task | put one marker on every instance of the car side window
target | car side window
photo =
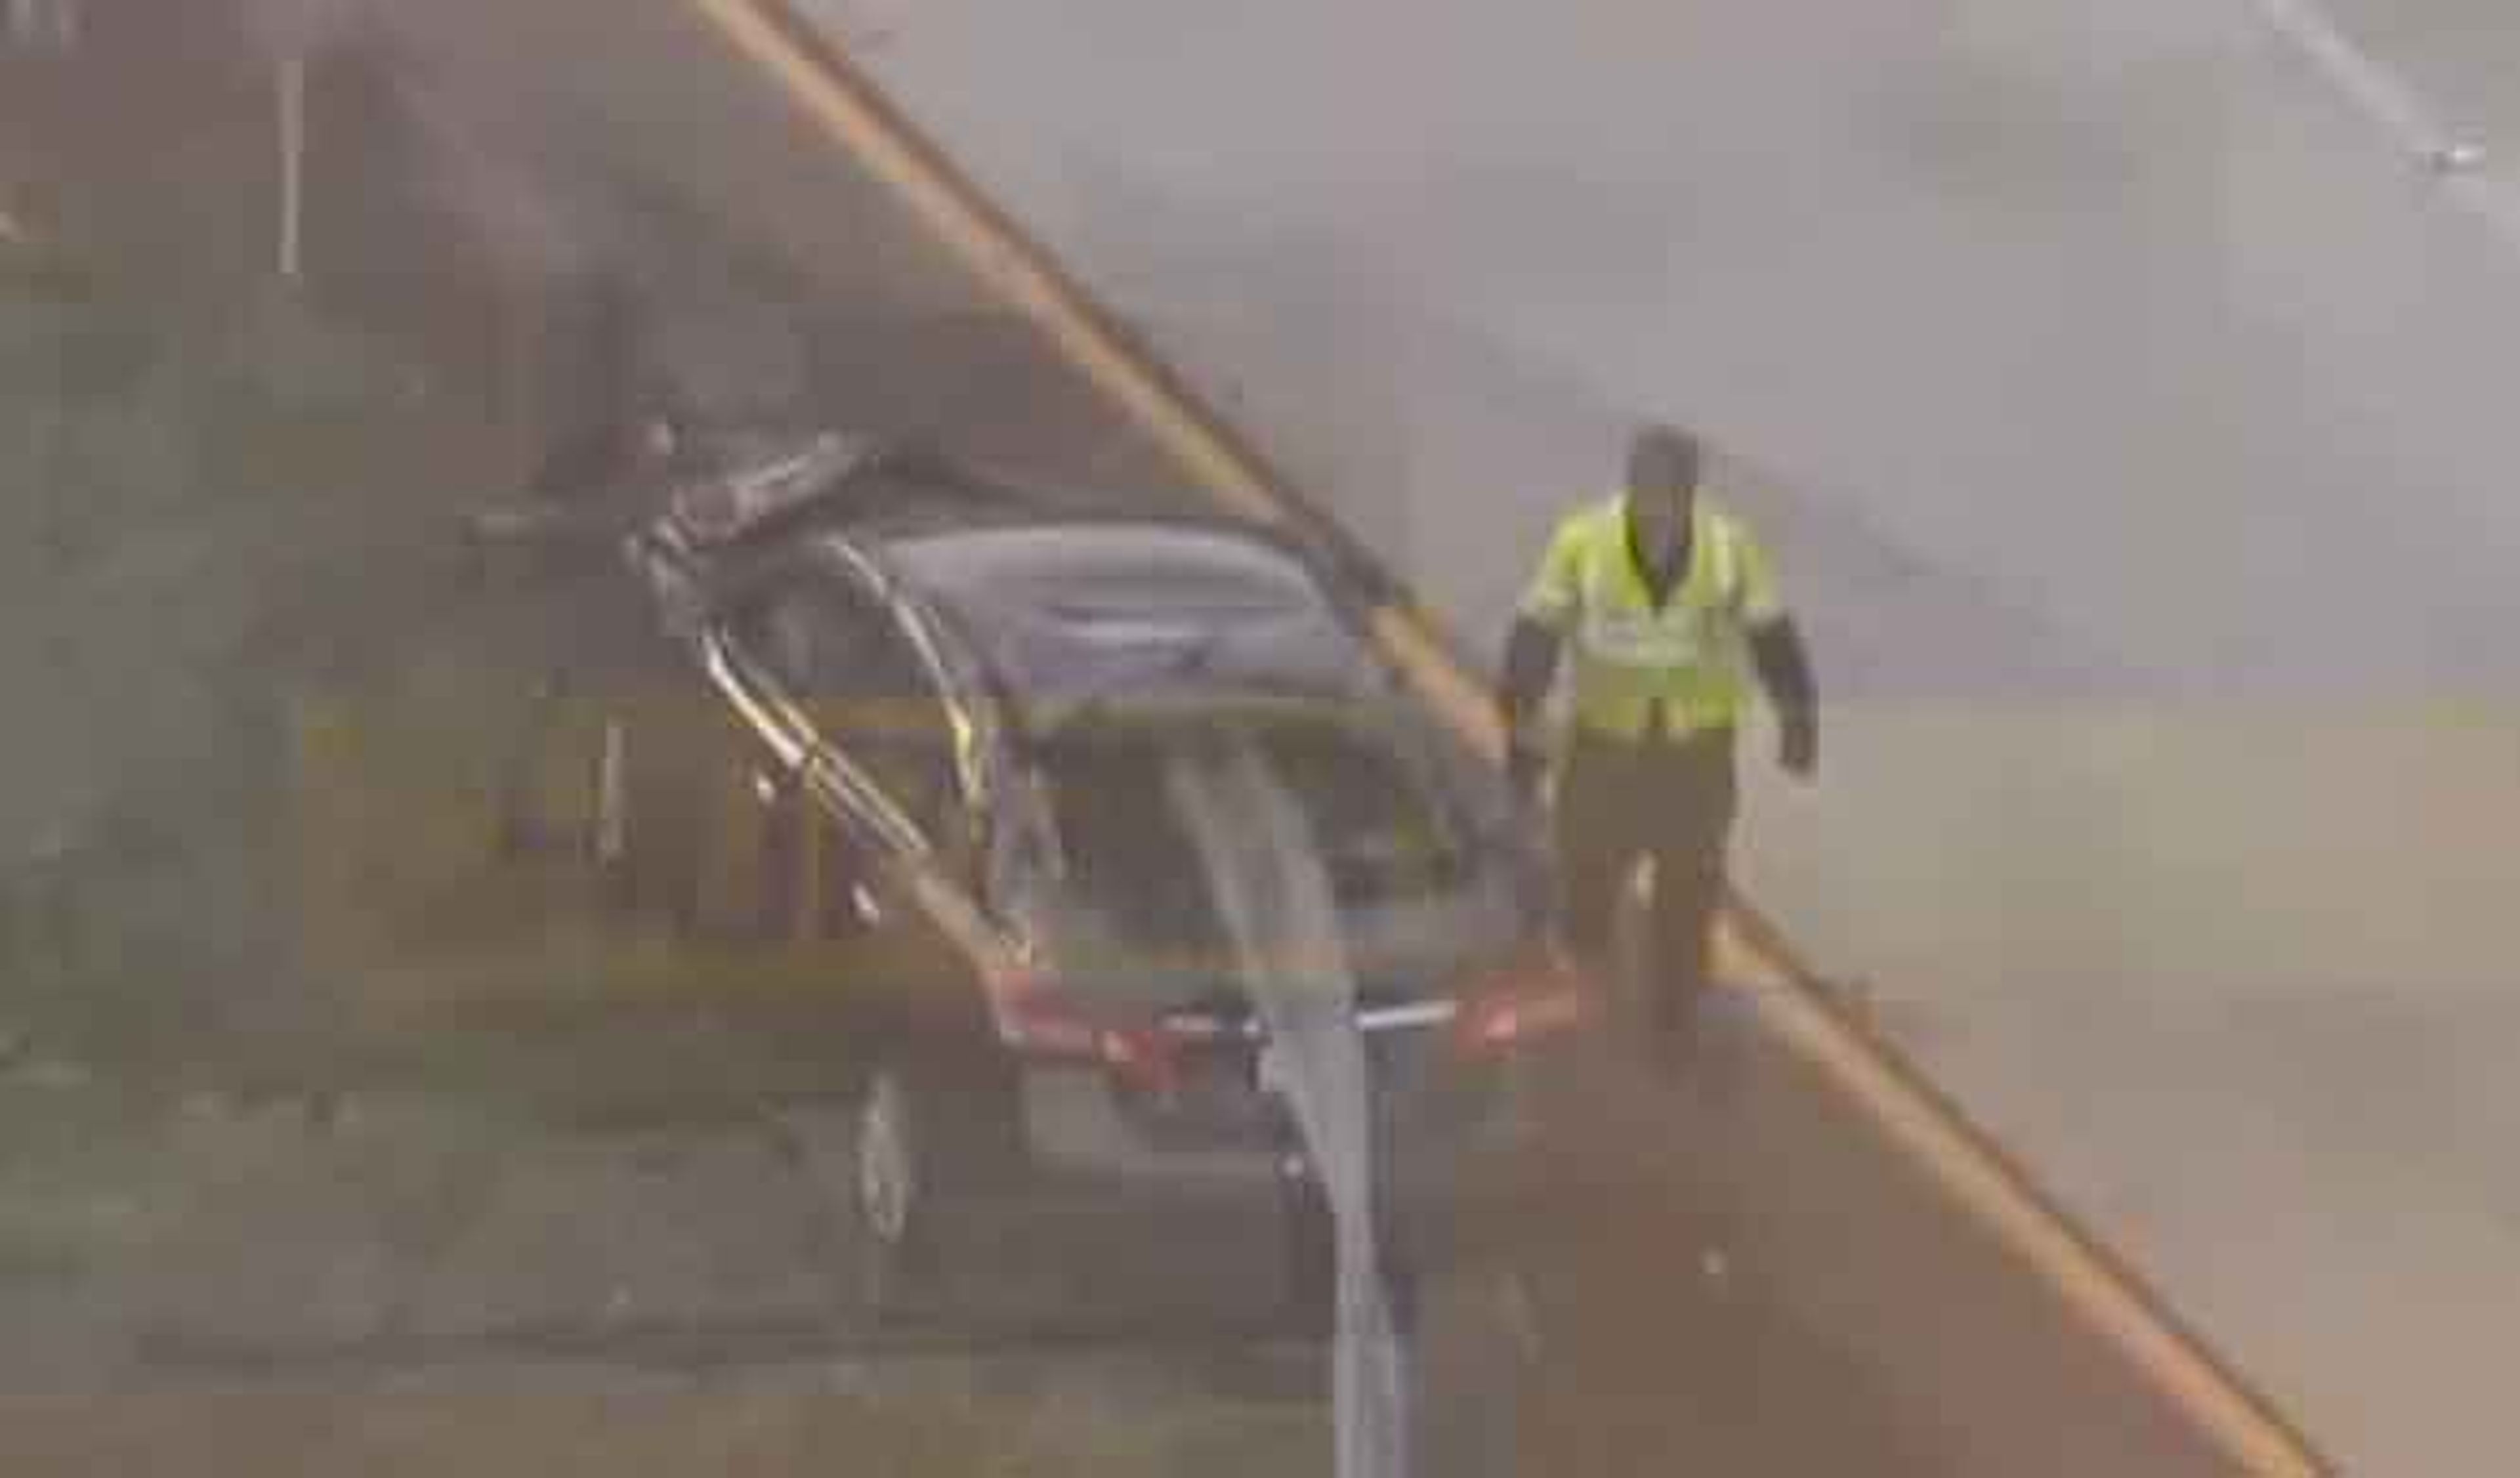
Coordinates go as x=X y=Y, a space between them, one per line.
x=843 y=659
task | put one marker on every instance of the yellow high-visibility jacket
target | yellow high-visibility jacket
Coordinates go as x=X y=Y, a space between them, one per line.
x=1690 y=651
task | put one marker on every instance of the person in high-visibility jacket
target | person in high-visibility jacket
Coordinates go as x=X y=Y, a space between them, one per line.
x=1664 y=599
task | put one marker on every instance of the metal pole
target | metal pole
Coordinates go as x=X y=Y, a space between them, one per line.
x=292 y=161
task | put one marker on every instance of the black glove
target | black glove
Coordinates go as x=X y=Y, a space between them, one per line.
x=1798 y=746
x=1785 y=669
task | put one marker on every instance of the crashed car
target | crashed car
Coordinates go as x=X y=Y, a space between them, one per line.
x=961 y=710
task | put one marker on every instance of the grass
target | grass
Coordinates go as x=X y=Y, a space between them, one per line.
x=531 y=1423
x=70 y=1180
x=97 y=1209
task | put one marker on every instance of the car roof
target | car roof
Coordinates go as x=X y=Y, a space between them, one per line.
x=759 y=490
x=1066 y=606
x=1056 y=592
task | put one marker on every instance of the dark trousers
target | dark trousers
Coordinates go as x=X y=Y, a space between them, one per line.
x=1620 y=804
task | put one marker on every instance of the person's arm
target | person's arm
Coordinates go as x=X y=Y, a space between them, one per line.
x=1531 y=651
x=1531 y=654
x=1784 y=671
x=1783 y=661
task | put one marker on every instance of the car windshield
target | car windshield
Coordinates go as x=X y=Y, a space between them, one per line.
x=1138 y=889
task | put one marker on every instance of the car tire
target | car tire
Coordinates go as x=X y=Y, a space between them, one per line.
x=895 y=1221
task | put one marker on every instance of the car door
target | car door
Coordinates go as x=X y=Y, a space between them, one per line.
x=826 y=666
x=883 y=821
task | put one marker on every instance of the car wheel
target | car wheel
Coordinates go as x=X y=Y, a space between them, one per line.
x=893 y=1195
